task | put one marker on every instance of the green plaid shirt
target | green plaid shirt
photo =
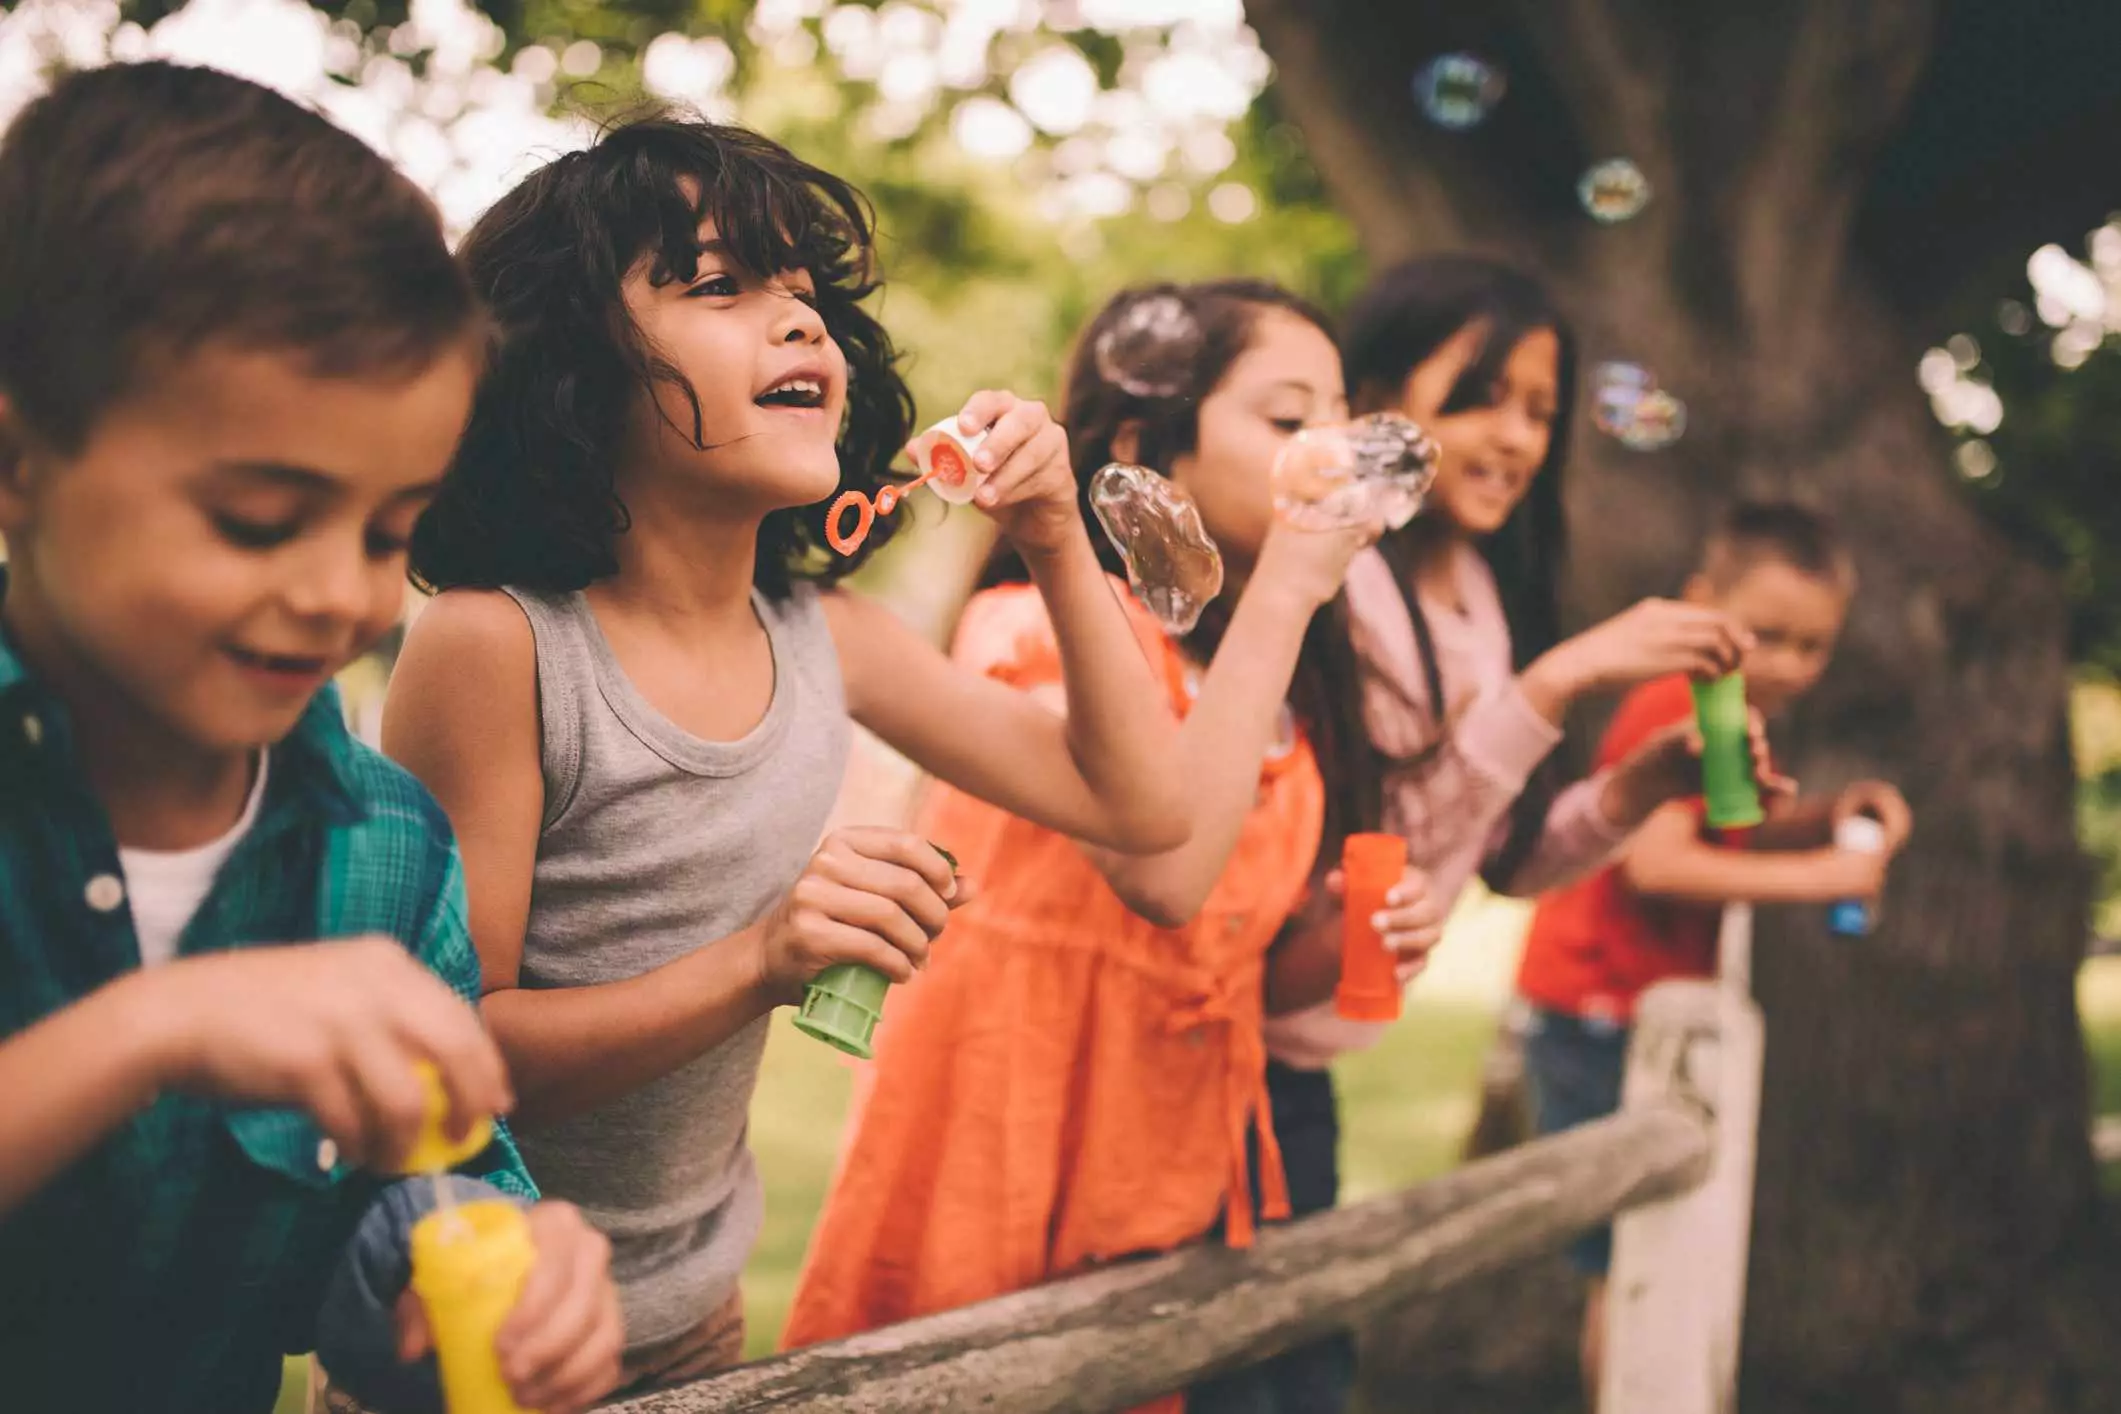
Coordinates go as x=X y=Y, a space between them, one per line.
x=171 y=1267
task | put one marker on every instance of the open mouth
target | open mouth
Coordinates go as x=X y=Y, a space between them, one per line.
x=799 y=391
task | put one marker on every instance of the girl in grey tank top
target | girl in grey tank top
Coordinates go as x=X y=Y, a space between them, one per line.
x=661 y=857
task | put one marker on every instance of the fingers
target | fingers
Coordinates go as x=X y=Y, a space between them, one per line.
x=909 y=851
x=827 y=941
x=889 y=888
x=438 y=1025
x=1037 y=469
x=410 y=1319
x=393 y=1102
x=984 y=408
x=559 y=1347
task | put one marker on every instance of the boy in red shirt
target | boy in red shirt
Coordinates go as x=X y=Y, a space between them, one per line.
x=1596 y=945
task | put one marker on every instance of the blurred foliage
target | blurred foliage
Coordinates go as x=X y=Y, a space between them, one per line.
x=2055 y=486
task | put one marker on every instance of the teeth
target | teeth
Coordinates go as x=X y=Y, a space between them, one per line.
x=799 y=385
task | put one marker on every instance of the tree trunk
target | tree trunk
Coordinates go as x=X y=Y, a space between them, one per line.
x=1928 y=1234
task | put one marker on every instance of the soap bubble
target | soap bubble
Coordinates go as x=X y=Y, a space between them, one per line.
x=1658 y=421
x=1150 y=349
x=1457 y=91
x=1615 y=389
x=1627 y=404
x=1173 y=566
x=1372 y=471
x=1614 y=191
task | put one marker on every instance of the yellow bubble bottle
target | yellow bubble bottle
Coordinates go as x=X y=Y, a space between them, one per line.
x=468 y=1267
x=469 y=1262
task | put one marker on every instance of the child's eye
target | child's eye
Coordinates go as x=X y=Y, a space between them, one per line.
x=715 y=287
x=254 y=534
x=384 y=546
x=1287 y=426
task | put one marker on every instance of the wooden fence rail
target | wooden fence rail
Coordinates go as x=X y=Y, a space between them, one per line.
x=1134 y=1331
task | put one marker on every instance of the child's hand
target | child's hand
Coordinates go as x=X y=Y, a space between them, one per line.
x=1309 y=565
x=1029 y=486
x=335 y=1028
x=1410 y=923
x=1667 y=767
x=873 y=896
x=1883 y=803
x=1654 y=639
x=1852 y=874
x=560 y=1347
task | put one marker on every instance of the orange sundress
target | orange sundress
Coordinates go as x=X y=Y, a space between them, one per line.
x=1064 y=1084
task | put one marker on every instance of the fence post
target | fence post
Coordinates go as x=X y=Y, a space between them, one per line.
x=1675 y=1303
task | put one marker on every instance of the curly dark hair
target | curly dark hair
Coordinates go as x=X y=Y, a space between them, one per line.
x=531 y=501
x=1326 y=690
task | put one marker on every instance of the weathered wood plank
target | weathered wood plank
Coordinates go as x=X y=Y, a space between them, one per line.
x=1112 y=1338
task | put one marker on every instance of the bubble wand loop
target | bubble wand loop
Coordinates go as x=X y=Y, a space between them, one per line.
x=944 y=454
x=866 y=512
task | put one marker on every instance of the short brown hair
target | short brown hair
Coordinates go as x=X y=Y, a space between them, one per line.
x=1777 y=532
x=149 y=209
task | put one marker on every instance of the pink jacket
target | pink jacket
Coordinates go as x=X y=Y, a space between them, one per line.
x=1454 y=806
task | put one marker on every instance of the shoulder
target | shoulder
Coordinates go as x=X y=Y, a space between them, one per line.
x=465 y=645
x=473 y=620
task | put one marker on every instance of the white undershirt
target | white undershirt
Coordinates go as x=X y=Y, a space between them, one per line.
x=166 y=886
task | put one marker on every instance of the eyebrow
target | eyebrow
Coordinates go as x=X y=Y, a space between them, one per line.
x=307 y=479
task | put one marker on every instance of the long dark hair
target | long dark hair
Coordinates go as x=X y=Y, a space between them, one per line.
x=1402 y=319
x=530 y=500
x=1326 y=692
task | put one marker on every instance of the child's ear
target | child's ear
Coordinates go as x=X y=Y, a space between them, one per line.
x=1698 y=590
x=1127 y=442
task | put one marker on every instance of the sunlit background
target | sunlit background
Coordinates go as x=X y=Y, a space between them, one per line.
x=1029 y=158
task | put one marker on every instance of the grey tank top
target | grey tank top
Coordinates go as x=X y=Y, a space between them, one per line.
x=654 y=844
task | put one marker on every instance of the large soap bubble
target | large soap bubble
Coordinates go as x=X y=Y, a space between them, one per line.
x=1151 y=347
x=1372 y=471
x=1457 y=91
x=1173 y=566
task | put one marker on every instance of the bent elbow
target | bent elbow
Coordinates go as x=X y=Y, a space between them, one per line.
x=1157 y=832
x=1159 y=905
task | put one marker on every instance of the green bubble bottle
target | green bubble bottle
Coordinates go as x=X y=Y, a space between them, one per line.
x=1727 y=783
x=842 y=1004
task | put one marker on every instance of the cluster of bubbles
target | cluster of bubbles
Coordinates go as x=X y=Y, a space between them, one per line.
x=1458 y=92
x=1172 y=563
x=1373 y=471
x=1627 y=405
x=1150 y=348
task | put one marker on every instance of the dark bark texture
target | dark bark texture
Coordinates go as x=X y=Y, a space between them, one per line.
x=1827 y=174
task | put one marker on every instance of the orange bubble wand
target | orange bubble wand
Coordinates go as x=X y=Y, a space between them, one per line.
x=946 y=461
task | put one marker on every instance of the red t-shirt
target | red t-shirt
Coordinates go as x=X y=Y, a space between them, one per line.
x=1596 y=944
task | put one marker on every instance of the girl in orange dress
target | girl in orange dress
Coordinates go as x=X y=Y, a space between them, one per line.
x=1074 y=1076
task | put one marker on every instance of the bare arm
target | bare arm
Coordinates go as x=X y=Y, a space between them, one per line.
x=1668 y=859
x=1105 y=771
x=463 y=716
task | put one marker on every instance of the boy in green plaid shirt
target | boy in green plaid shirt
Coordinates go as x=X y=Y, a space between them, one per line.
x=235 y=358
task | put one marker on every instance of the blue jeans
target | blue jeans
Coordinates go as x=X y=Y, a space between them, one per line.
x=357 y=1334
x=1312 y=1379
x=1573 y=1066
